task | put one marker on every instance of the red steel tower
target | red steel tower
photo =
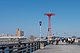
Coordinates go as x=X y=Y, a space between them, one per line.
x=49 y=14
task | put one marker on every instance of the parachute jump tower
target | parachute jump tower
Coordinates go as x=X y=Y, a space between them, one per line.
x=49 y=14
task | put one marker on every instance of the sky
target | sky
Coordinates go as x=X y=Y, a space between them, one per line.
x=26 y=14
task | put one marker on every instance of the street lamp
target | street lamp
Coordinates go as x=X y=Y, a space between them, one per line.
x=40 y=23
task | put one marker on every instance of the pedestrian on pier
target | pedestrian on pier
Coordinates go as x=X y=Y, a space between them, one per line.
x=72 y=41
x=57 y=41
x=69 y=40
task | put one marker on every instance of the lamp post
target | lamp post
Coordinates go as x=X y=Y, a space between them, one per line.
x=40 y=23
x=41 y=41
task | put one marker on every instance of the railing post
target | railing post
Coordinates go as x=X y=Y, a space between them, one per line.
x=23 y=48
x=28 y=48
x=3 y=49
x=19 y=47
x=37 y=45
x=32 y=47
x=10 y=49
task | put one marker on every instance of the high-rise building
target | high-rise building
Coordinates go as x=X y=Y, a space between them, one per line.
x=19 y=32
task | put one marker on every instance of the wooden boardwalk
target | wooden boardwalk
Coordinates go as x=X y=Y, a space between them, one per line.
x=61 y=48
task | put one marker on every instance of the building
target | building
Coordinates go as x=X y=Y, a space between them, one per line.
x=19 y=32
x=6 y=35
x=13 y=37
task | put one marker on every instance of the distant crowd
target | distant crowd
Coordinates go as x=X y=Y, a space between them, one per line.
x=67 y=40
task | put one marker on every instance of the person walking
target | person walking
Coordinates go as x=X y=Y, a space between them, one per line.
x=69 y=40
x=57 y=41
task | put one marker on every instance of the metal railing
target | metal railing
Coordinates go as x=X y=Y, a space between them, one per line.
x=21 y=47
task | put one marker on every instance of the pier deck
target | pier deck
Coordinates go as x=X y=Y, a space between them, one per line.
x=61 y=48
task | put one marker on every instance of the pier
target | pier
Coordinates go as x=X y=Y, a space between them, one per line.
x=34 y=47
